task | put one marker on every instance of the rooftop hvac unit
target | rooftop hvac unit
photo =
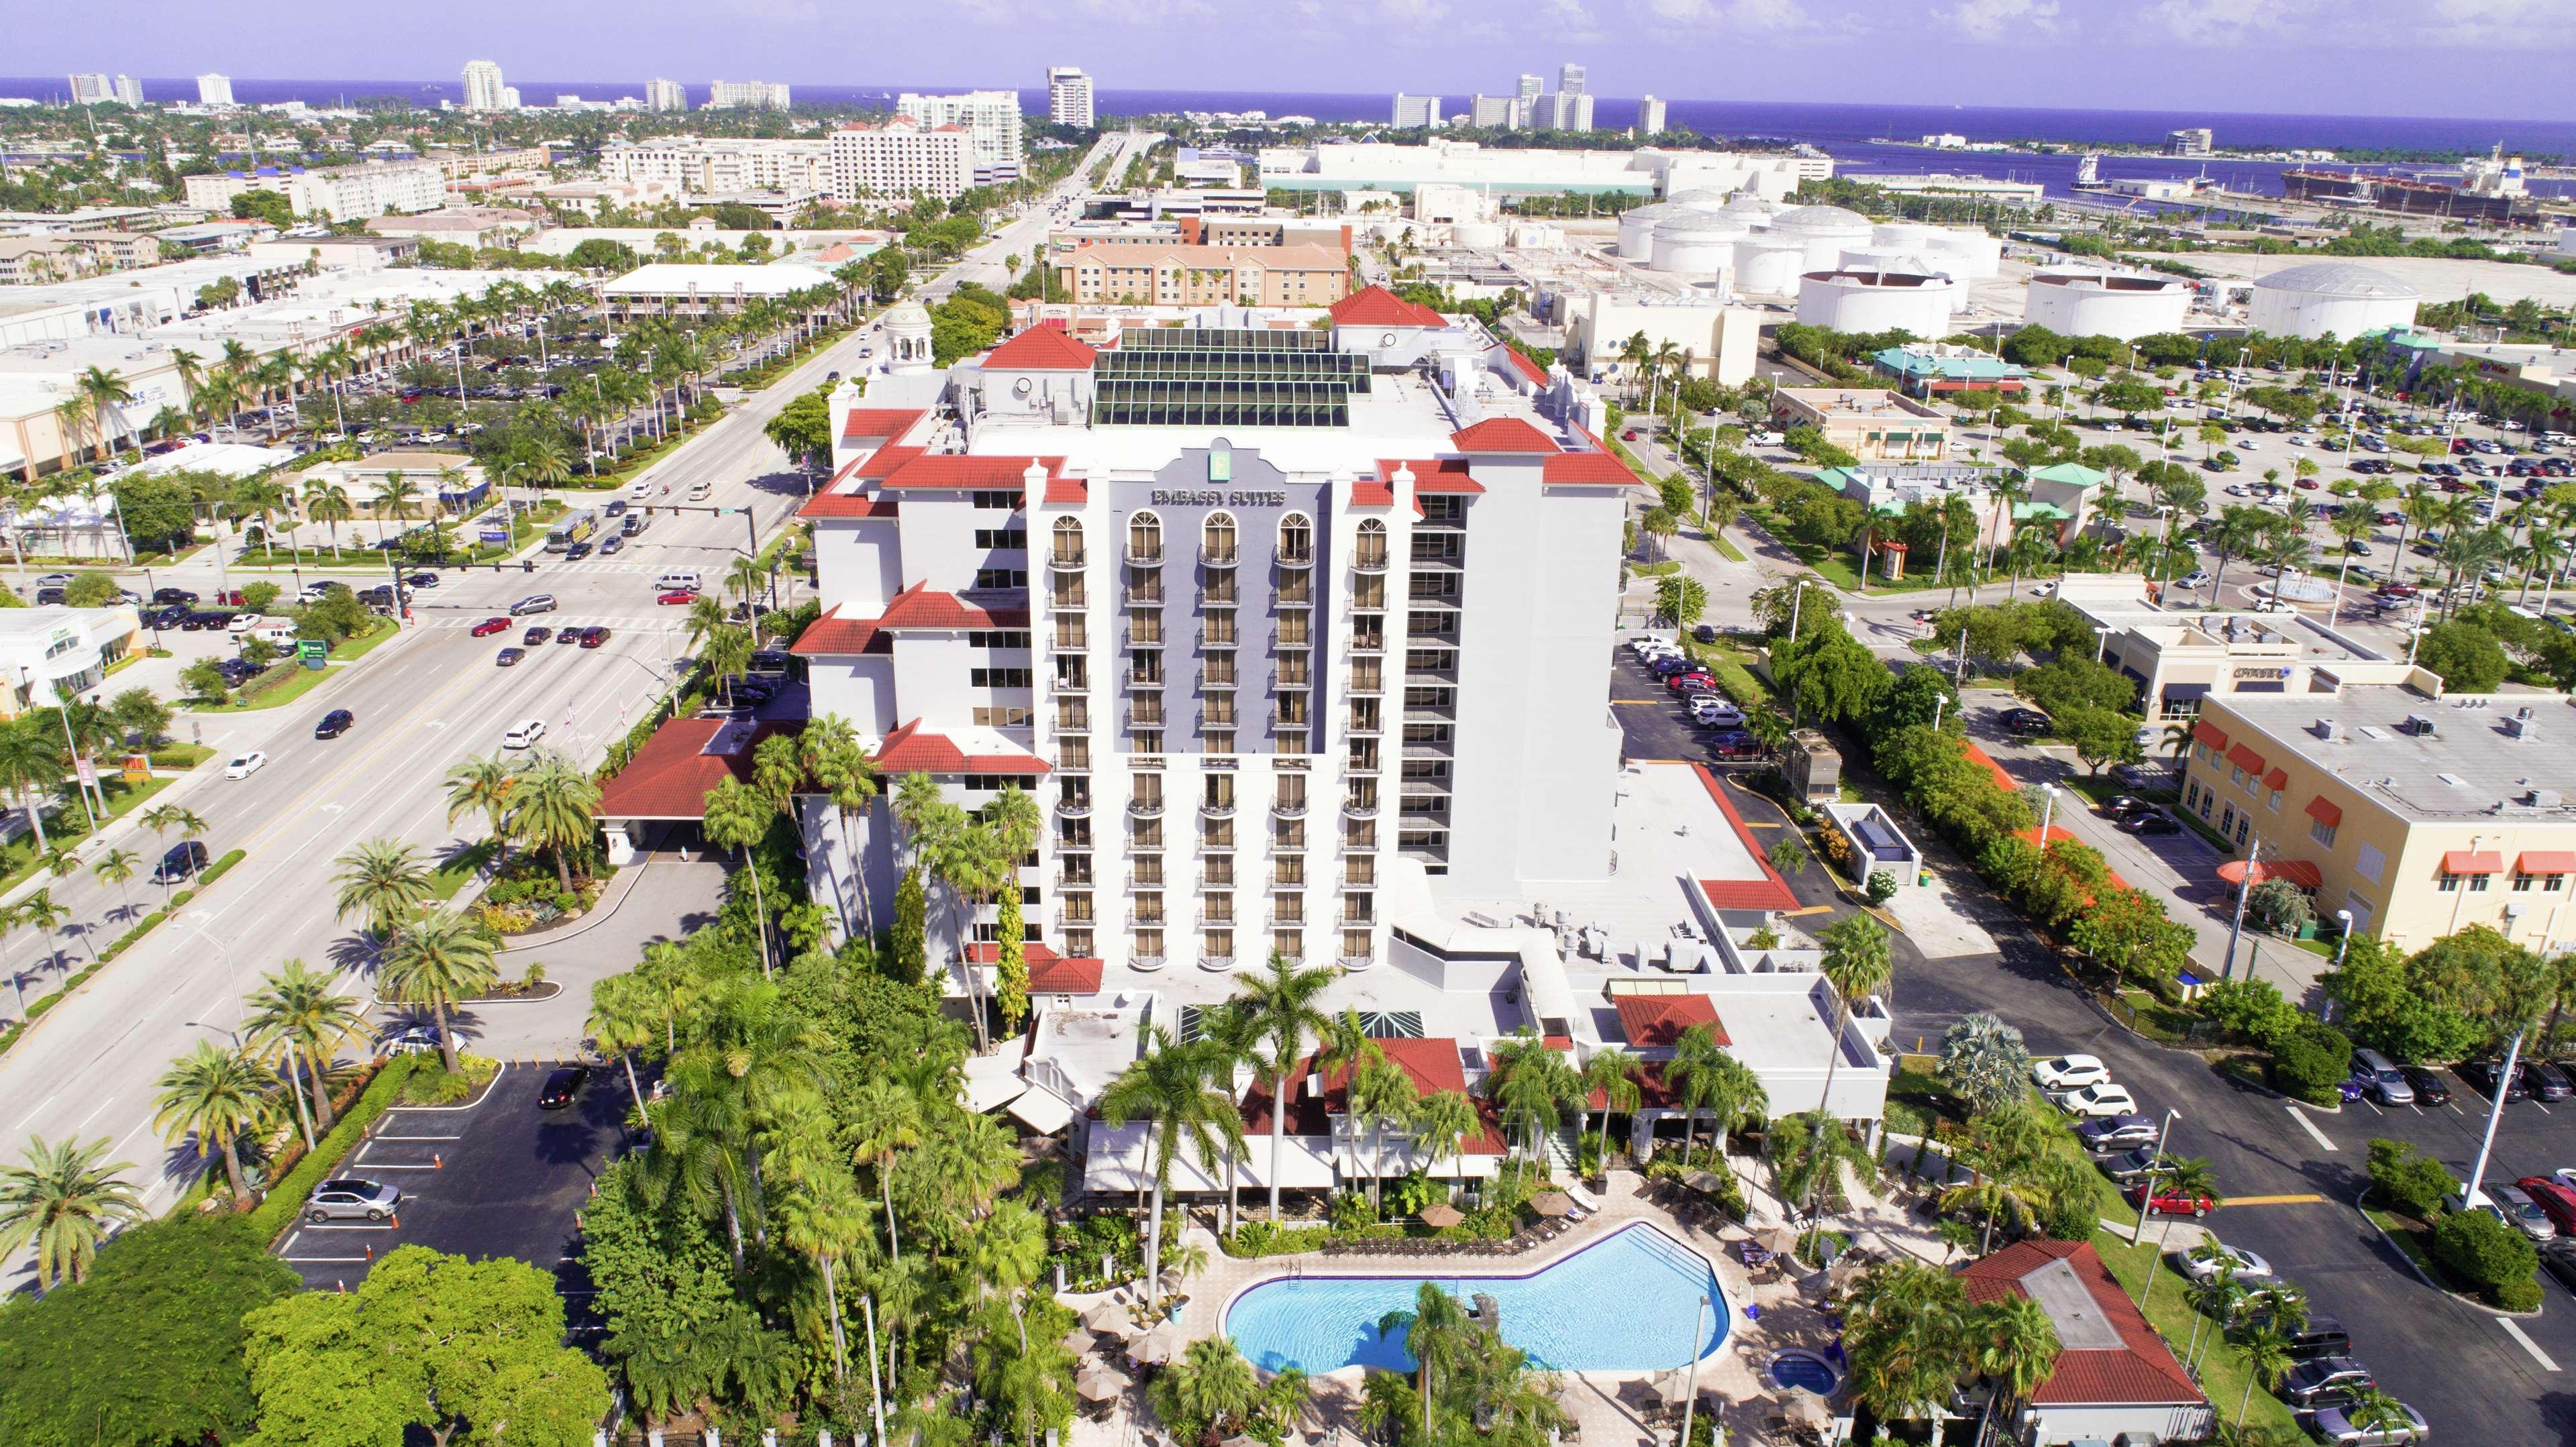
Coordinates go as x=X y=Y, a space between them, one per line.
x=2327 y=730
x=2522 y=726
x=2420 y=725
x=2543 y=798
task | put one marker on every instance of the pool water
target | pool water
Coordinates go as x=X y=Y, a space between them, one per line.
x=1805 y=1370
x=1628 y=1302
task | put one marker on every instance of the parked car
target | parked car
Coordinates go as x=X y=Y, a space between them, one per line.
x=2548 y=1080
x=535 y=636
x=2334 y=1425
x=490 y=626
x=2130 y=1167
x=2380 y=1079
x=2430 y=1089
x=2070 y=1072
x=2487 y=1077
x=508 y=657
x=593 y=636
x=563 y=1087
x=2169 y=1202
x=2116 y=1132
x=408 y=1040
x=350 y=1199
x=676 y=597
x=2555 y=1199
x=335 y=723
x=2249 y=1267
x=2158 y=822
x=2025 y=722
x=245 y=765
x=2124 y=806
x=2104 y=1099
x=2323 y=1381
x=167 y=596
x=2523 y=1213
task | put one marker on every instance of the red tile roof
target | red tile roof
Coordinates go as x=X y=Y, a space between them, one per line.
x=2547 y=861
x=1433 y=1064
x=2473 y=861
x=1587 y=469
x=1502 y=435
x=918 y=607
x=2325 y=811
x=669 y=777
x=2298 y=871
x=1365 y=493
x=951 y=470
x=1768 y=892
x=2246 y=759
x=1068 y=490
x=2140 y=1371
x=1375 y=306
x=2211 y=734
x=1431 y=474
x=846 y=505
x=910 y=750
x=1049 y=973
x=1526 y=366
x=882 y=463
x=888 y=423
x=1040 y=349
x=1656 y=1022
x=837 y=636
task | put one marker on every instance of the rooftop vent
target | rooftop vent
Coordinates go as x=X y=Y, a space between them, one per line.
x=2327 y=730
x=2522 y=726
x=2418 y=724
x=2544 y=798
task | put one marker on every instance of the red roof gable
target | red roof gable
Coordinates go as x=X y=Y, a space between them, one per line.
x=1431 y=474
x=835 y=635
x=1587 y=469
x=670 y=776
x=1502 y=435
x=910 y=750
x=1656 y=1022
x=846 y=505
x=1365 y=493
x=1433 y=1064
x=1375 y=306
x=957 y=471
x=1526 y=366
x=918 y=607
x=1768 y=892
x=1068 y=490
x=1040 y=349
x=888 y=423
x=2140 y=1371
x=1049 y=973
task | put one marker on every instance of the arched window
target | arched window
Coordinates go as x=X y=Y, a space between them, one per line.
x=1372 y=545
x=1216 y=539
x=1068 y=543
x=1296 y=539
x=1144 y=538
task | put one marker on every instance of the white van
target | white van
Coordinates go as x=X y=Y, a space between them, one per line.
x=700 y=491
x=524 y=736
x=677 y=580
x=639 y=490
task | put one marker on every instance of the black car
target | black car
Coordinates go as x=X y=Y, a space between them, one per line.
x=423 y=580
x=2483 y=1075
x=2124 y=806
x=571 y=634
x=170 y=617
x=509 y=657
x=47 y=597
x=334 y=724
x=2025 y=722
x=2548 y=1081
x=616 y=508
x=182 y=861
x=563 y=1087
x=576 y=552
x=2320 y=1381
x=1705 y=633
x=2558 y=1258
x=2430 y=1089
x=2116 y=1132
x=535 y=636
x=173 y=595
x=2155 y=823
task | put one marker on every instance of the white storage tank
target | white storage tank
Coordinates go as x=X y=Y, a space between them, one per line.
x=1637 y=230
x=2098 y=302
x=1878 y=301
x=1697 y=243
x=1888 y=258
x=1478 y=235
x=1755 y=209
x=1824 y=230
x=1769 y=264
x=1968 y=254
x=1703 y=199
x=2340 y=297
x=1538 y=236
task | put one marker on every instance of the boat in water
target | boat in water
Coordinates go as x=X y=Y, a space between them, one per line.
x=2088 y=173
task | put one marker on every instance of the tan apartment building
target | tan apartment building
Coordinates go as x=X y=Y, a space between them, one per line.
x=2420 y=814
x=1178 y=275
x=1871 y=424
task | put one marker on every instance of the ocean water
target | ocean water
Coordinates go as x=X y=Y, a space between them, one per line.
x=1846 y=132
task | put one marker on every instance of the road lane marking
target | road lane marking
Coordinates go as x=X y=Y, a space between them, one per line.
x=39 y=1110
x=2310 y=1127
x=327 y=1260
x=2526 y=1343
x=93 y=1115
x=420 y=1137
x=2300 y=1200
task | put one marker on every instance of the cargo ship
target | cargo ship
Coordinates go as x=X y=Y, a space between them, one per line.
x=2490 y=189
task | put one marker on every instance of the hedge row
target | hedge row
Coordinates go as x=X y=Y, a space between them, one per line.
x=286 y=1195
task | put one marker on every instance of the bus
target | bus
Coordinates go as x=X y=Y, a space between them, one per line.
x=576 y=527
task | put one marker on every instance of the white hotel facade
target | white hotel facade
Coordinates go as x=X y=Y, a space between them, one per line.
x=1269 y=618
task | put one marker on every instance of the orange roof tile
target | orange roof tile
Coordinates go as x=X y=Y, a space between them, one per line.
x=1768 y=892
x=1508 y=435
x=1040 y=349
x=919 y=607
x=1656 y=1022
x=1432 y=474
x=670 y=776
x=1375 y=306
x=2140 y=1371
x=834 y=635
x=884 y=422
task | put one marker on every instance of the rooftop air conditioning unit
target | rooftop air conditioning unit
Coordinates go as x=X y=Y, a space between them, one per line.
x=2522 y=726
x=2543 y=798
x=2420 y=725
x=2327 y=730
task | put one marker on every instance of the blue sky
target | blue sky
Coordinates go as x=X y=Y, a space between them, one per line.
x=2503 y=58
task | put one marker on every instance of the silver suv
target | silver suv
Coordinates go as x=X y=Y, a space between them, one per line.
x=350 y=1199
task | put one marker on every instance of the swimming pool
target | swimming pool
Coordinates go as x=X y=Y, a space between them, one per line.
x=1806 y=1371
x=1627 y=1302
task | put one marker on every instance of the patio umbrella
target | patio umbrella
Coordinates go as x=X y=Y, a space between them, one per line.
x=1442 y=1216
x=1108 y=1318
x=1100 y=1384
x=1807 y=1409
x=1778 y=1239
x=1551 y=1203
x=1706 y=1182
x=1673 y=1387
x=1158 y=1345
x=1841 y=1272
x=1080 y=1342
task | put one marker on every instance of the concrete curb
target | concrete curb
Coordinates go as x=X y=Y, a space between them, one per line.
x=599 y=914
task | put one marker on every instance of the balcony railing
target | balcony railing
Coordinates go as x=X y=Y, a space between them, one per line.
x=1145 y=919
x=1074 y=808
x=1288 y=808
x=1068 y=560
x=1281 y=723
x=1142 y=680
x=1371 y=682
x=1149 y=555
x=1368 y=643
x=1217 y=808
x=1369 y=560
x=1359 y=808
x=1349 y=918
x=1220 y=557
x=1146 y=807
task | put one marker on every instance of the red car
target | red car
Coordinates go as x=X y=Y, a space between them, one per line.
x=680 y=597
x=2173 y=1203
x=593 y=636
x=2558 y=1202
x=1680 y=681
x=2306 y=484
x=490 y=626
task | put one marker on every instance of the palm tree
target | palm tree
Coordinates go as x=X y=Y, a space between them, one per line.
x=216 y=1096
x=1013 y=819
x=1436 y=1333
x=821 y=1218
x=1857 y=964
x=735 y=819
x=382 y=881
x=63 y=1202
x=2189 y=1177
x=1527 y=1082
x=555 y=806
x=295 y=1016
x=41 y=912
x=623 y=1018
x=32 y=764
x=1810 y=1152
x=2016 y=1348
x=966 y=859
x=438 y=960
x=328 y=503
x=1281 y=1000
x=2267 y=1361
x=1710 y=1078
x=116 y=867
x=108 y=395
x=1439 y=1125
x=1610 y=1074
x=1169 y=1088
x=483 y=782
x=1380 y=1093
x=887 y=1121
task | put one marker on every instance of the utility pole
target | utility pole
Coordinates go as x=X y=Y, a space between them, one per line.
x=2244 y=890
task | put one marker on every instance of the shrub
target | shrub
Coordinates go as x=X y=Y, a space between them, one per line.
x=2249 y=1009
x=2486 y=1253
x=2516 y=1295
x=286 y=1195
x=1351 y=1209
x=1881 y=887
x=2277 y=905
x=2408 y=1181
x=2308 y=1062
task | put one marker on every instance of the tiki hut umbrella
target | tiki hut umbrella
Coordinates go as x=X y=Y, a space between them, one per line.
x=1079 y=1342
x=1109 y=1319
x=1441 y=1216
x=1551 y=1203
x=1156 y=1346
x=1101 y=1384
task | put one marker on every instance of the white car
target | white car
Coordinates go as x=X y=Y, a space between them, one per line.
x=525 y=734
x=1718 y=714
x=2197 y=578
x=2070 y=1072
x=316 y=592
x=2249 y=1267
x=2104 y=1099
x=244 y=622
x=245 y=765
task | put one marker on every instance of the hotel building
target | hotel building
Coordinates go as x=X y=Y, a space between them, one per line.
x=900 y=157
x=991 y=118
x=1182 y=275
x=1069 y=96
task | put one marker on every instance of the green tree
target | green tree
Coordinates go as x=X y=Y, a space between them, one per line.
x=1280 y=1002
x=142 y=715
x=294 y=1016
x=438 y=960
x=1984 y=1061
x=427 y=1341
x=63 y=1202
x=31 y=762
x=2403 y=1177
x=737 y=819
x=1170 y=1089
x=382 y=881
x=1708 y=1077
x=555 y=807
x=803 y=428
x=215 y=1097
x=481 y=784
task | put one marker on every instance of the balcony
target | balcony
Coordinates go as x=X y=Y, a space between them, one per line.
x=1288 y=809
x=1217 y=843
x=1216 y=919
x=1066 y=919
x=1216 y=808
x=1073 y=683
x=1215 y=634
x=1369 y=560
x=1360 y=878
x=1145 y=918
x=1368 y=644
x=1368 y=683
x=1281 y=723
x=1283 y=683
x=1349 y=918
x=1283 y=915
x=1367 y=726
x=1295 y=557
x=1447 y=677
x=1073 y=721
x=1142 y=680
x=1073 y=808
x=1145 y=592
x=1145 y=806
x=1069 y=560
x=1359 y=808
x=1146 y=964
x=1298 y=642
x=1144 y=555
x=1220 y=557
x=1071 y=845
x=1070 y=878
x=1140 y=716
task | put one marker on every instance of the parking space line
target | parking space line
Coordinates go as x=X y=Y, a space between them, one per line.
x=2299 y=1200
x=2310 y=1127
x=2526 y=1343
x=2536 y=1105
x=420 y=1137
x=359 y=1226
x=328 y=1260
x=387 y=1166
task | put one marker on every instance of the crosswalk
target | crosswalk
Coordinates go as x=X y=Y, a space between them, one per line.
x=671 y=619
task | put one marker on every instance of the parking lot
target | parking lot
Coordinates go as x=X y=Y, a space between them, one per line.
x=1657 y=724
x=495 y=1176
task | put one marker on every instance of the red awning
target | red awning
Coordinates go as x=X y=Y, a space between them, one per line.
x=2473 y=861
x=2277 y=779
x=2547 y=861
x=2325 y=811
x=2246 y=759
x=2298 y=871
x=2210 y=734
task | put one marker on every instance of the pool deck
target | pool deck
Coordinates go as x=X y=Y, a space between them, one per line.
x=1610 y=1409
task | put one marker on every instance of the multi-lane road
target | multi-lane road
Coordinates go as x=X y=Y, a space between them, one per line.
x=424 y=701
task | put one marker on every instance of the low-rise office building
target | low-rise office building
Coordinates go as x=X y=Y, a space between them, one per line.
x=1871 y=424
x=42 y=648
x=2418 y=813
x=669 y=288
x=1937 y=369
x=1722 y=339
x=2180 y=657
x=1194 y=276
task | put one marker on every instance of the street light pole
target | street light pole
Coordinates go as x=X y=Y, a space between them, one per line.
x=2244 y=890
x=1690 y=1404
x=2471 y=1194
